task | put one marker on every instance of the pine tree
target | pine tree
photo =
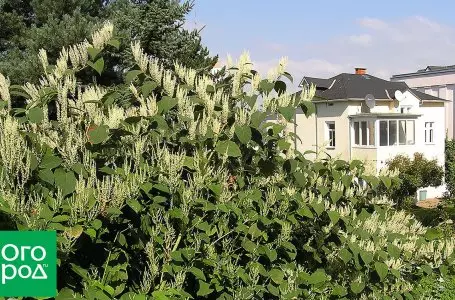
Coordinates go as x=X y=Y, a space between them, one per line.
x=26 y=26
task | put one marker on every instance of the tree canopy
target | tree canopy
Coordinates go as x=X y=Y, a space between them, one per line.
x=26 y=26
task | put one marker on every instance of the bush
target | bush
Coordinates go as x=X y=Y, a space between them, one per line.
x=450 y=167
x=414 y=173
x=185 y=191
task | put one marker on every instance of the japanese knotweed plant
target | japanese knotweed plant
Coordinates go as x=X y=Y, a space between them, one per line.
x=191 y=189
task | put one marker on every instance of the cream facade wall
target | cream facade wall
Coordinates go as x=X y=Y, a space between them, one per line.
x=438 y=84
x=314 y=136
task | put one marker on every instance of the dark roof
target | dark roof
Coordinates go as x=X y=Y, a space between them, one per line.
x=423 y=96
x=318 y=82
x=436 y=68
x=357 y=86
x=429 y=70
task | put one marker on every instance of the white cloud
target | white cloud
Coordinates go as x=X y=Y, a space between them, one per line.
x=384 y=48
x=373 y=23
x=361 y=39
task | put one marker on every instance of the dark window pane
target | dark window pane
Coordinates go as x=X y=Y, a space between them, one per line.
x=392 y=132
x=402 y=132
x=383 y=133
x=371 y=132
x=356 y=133
x=363 y=126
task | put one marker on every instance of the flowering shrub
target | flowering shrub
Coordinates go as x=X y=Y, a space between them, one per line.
x=414 y=173
x=171 y=187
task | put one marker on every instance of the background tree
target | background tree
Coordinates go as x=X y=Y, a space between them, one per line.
x=414 y=173
x=29 y=25
x=450 y=167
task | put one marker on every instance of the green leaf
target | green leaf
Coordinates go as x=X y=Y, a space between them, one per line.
x=287 y=112
x=134 y=204
x=115 y=43
x=280 y=87
x=334 y=216
x=98 y=66
x=243 y=133
x=204 y=289
x=386 y=180
x=366 y=256
x=198 y=273
x=318 y=207
x=433 y=234
x=254 y=231
x=35 y=115
x=98 y=135
x=157 y=295
x=318 y=277
x=335 y=196
x=357 y=287
x=300 y=179
x=65 y=181
x=308 y=108
x=148 y=87
x=131 y=76
x=339 y=290
x=166 y=104
x=46 y=175
x=305 y=212
x=345 y=255
x=93 y=52
x=249 y=246
x=228 y=147
x=393 y=251
x=381 y=269
x=276 y=275
x=266 y=86
x=60 y=218
x=50 y=162
x=288 y=76
x=107 y=170
x=251 y=100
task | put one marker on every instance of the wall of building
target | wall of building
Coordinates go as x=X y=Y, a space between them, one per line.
x=431 y=112
x=438 y=85
x=334 y=112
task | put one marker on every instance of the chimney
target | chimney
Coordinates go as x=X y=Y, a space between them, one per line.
x=360 y=71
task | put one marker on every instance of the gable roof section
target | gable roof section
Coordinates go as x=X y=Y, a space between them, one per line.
x=356 y=86
x=318 y=82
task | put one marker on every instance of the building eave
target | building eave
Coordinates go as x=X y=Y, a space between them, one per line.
x=419 y=74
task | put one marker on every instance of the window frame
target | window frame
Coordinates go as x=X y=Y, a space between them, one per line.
x=360 y=134
x=430 y=130
x=331 y=141
x=397 y=132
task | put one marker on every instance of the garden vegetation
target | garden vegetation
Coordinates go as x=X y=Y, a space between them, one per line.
x=189 y=189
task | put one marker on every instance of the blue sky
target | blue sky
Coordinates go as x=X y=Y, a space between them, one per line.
x=324 y=38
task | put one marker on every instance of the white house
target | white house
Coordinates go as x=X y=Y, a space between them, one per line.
x=395 y=119
x=438 y=81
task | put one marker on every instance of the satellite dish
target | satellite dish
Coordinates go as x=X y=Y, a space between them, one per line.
x=370 y=101
x=399 y=95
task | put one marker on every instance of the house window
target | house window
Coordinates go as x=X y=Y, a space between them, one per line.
x=429 y=133
x=331 y=134
x=364 y=133
x=383 y=133
x=396 y=132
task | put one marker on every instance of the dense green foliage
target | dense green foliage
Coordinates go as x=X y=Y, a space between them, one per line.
x=450 y=167
x=183 y=190
x=26 y=26
x=414 y=173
